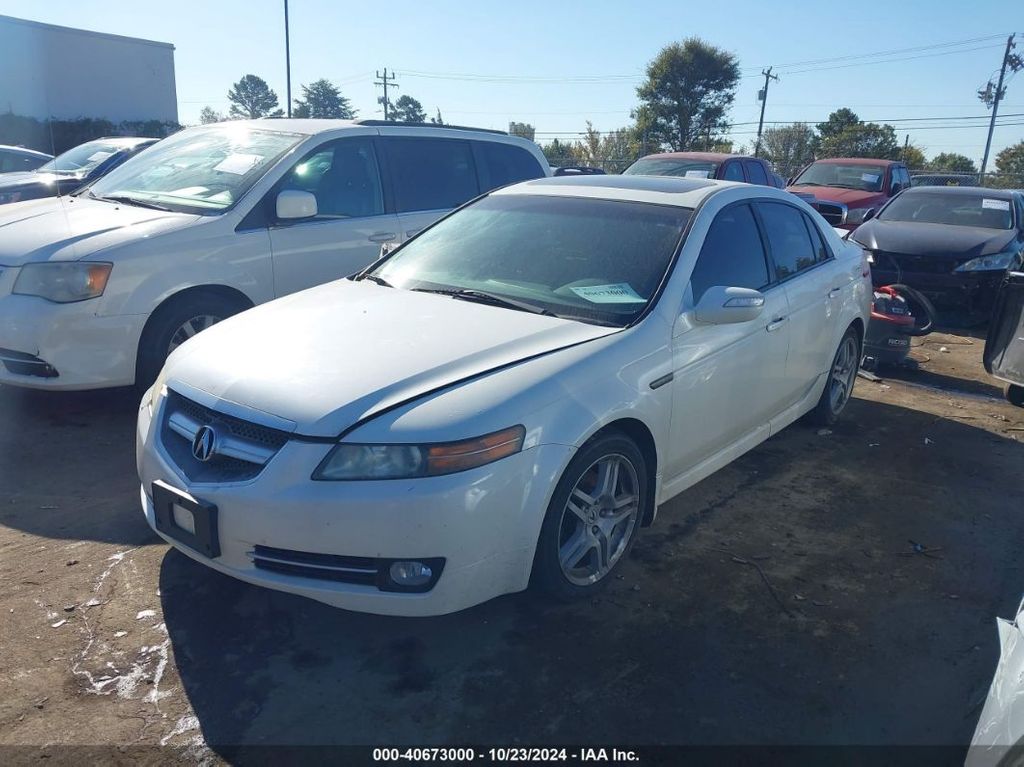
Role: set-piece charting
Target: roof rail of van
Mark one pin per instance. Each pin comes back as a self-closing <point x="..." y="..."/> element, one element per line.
<point x="380" y="123"/>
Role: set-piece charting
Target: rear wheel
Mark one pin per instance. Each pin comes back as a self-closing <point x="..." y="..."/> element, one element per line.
<point x="1015" y="395"/>
<point x="592" y="519"/>
<point x="841" y="377"/>
<point x="176" y="322"/>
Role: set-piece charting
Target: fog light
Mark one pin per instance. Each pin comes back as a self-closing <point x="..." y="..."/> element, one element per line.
<point x="410" y="573"/>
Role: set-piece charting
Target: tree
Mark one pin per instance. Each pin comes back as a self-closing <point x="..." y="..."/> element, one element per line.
<point x="789" y="147"/>
<point x="914" y="157"/>
<point x="952" y="162"/>
<point x="437" y="120"/>
<point x="558" y="153"/>
<point x="209" y="115"/>
<point x="1010" y="167"/>
<point x="407" y="110"/>
<point x="844" y="135"/>
<point x="688" y="89"/>
<point x="321" y="99"/>
<point x="251" y="97"/>
<point x="525" y="130"/>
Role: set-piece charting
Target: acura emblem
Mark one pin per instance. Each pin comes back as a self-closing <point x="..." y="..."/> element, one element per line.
<point x="204" y="443"/>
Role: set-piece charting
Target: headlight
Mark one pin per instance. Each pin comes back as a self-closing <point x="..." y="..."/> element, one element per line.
<point x="63" y="283"/>
<point x="996" y="262"/>
<point x="157" y="389"/>
<point x="360" y="462"/>
<point x="856" y="215"/>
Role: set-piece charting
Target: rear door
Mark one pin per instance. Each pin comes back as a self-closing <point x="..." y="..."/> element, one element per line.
<point x="427" y="177"/>
<point x="350" y="225"/>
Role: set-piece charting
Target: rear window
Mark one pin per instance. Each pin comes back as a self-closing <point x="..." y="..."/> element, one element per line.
<point x="756" y="172"/>
<point x="507" y="164"/>
<point x="665" y="166"/>
<point x="430" y="174"/>
<point x="951" y="209"/>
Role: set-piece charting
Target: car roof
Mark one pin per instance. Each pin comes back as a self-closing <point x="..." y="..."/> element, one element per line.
<point x="854" y="161"/>
<point x="24" y="150"/>
<point x="705" y="156"/>
<point x="663" y="190"/>
<point x="312" y="126"/>
<point x="963" y="191"/>
<point x="124" y="141"/>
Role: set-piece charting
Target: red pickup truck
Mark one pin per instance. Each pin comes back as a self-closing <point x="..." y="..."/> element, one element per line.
<point x="849" y="190"/>
<point x="726" y="167"/>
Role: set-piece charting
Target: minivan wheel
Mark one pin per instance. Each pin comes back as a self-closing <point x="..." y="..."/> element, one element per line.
<point x="173" y="324"/>
<point x="592" y="519"/>
<point x="841" y="377"/>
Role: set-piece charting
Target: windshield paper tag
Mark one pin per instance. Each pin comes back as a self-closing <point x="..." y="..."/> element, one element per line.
<point x="989" y="204"/>
<point x="870" y="178"/>
<point x="696" y="174"/>
<point x="238" y="164"/>
<point x="621" y="293"/>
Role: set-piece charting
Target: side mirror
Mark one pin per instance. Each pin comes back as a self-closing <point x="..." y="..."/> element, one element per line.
<point x="869" y="214"/>
<point x="294" y="203"/>
<point x="723" y="306"/>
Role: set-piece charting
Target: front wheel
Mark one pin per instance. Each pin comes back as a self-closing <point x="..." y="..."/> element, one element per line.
<point x="592" y="519"/>
<point x="1015" y="395"/>
<point x="841" y="377"/>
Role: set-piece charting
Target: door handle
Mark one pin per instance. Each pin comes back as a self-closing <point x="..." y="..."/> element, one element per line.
<point x="777" y="323"/>
<point x="382" y="237"/>
<point x="834" y="293"/>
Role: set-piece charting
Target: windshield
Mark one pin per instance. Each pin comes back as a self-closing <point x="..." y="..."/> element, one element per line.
<point x="952" y="209"/>
<point x="83" y="158"/>
<point x="202" y="170"/>
<point x="667" y="166"/>
<point x="867" y="178"/>
<point x="599" y="261"/>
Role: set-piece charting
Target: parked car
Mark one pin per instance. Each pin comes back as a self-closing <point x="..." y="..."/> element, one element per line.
<point x="505" y="397"/>
<point x="954" y="244"/>
<point x="848" y="191"/>
<point x="944" y="179"/>
<point x="577" y="170"/>
<point x="726" y="167"/>
<point x="97" y="289"/>
<point x="17" y="158"/>
<point x="71" y="170"/>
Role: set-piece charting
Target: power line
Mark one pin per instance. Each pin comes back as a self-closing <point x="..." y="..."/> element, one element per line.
<point x="1015" y="63"/>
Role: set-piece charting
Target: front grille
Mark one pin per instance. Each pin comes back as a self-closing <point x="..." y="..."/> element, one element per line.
<point x="831" y="212"/>
<point x="904" y="263"/>
<point x="24" y="364"/>
<point x="241" y="448"/>
<point x="365" y="571"/>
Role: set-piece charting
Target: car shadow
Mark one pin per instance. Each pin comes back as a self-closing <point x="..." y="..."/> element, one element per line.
<point x="67" y="465"/>
<point x="932" y="379"/>
<point x="688" y="644"/>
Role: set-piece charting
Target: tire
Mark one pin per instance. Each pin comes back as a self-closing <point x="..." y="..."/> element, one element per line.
<point x="166" y="329"/>
<point x="1015" y="395"/>
<point x="842" y="374"/>
<point x="568" y="563"/>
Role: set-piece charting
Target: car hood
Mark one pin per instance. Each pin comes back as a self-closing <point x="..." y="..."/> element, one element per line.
<point x="329" y="357"/>
<point x="918" y="239"/>
<point x="851" y="198"/>
<point x="67" y="229"/>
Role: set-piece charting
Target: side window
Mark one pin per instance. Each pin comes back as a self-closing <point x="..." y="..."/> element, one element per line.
<point x="755" y="171"/>
<point x="343" y="177"/>
<point x="821" y="250"/>
<point x="430" y="174"/>
<point x="733" y="171"/>
<point x="732" y="254"/>
<point x="506" y="164"/>
<point x="788" y="238"/>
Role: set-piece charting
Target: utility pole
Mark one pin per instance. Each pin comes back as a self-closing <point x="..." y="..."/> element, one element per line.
<point x="287" y="59"/>
<point x="764" y="100"/>
<point x="385" y="81"/>
<point x="906" y="146"/>
<point x="986" y="95"/>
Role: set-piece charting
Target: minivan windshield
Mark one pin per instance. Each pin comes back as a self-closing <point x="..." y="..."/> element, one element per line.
<point x="668" y="166"/>
<point x="867" y="178"/>
<point x="598" y="261"/>
<point x="953" y="209"/>
<point x="200" y="170"/>
<point x="83" y="158"/>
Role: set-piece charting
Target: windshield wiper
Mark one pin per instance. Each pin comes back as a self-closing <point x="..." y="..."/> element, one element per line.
<point x="376" y="280"/>
<point x="126" y="200"/>
<point x="482" y="297"/>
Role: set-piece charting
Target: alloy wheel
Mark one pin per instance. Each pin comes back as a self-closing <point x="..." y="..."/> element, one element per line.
<point x="844" y="370"/>
<point x="190" y="327"/>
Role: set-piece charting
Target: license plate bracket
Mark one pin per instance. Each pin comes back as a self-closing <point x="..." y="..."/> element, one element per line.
<point x="204" y="537"/>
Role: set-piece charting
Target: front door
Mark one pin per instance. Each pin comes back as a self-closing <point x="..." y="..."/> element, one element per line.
<point x="350" y="224"/>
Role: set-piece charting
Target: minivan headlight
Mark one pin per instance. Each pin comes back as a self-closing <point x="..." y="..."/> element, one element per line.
<point x="63" y="283"/>
<point x="368" y="462"/>
<point x="996" y="262"/>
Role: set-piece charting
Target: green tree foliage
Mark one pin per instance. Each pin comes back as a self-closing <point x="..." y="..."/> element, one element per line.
<point x="437" y="120"/>
<point x="407" y="110"/>
<point x="56" y="136"/>
<point x="952" y="162"/>
<point x="614" y="151"/>
<point x="323" y="100"/>
<point x="844" y="135"/>
<point x="558" y="153"/>
<point x="209" y="115"/>
<point x="788" y="147"/>
<point x="689" y="87"/>
<point x="251" y="97"/>
<point x="525" y="130"/>
<point x="1011" y="160"/>
<point x="914" y="157"/>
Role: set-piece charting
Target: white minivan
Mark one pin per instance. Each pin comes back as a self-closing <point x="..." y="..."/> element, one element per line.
<point x="96" y="289"/>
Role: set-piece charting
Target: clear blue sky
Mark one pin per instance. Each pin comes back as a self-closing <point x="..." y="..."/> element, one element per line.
<point x="558" y="64"/>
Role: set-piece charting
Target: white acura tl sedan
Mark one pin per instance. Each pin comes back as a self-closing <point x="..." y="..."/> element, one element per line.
<point x="507" y="397"/>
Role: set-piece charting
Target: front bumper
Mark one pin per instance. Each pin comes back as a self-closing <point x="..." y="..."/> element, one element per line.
<point x="974" y="291"/>
<point x="484" y="523"/>
<point x="44" y="345"/>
